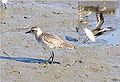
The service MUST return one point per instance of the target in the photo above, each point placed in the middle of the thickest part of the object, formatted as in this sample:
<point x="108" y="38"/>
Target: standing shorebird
<point x="4" y="3"/>
<point x="49" y="41"/>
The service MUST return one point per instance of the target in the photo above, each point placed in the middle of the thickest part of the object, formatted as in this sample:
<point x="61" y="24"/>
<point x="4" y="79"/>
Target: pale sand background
<point x="98" y="63"/>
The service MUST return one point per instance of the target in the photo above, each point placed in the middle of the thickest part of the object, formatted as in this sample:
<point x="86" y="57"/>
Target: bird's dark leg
<point x="5" y="6"/>
<point x="76" y="29"/>
<point x="51" y="58"/>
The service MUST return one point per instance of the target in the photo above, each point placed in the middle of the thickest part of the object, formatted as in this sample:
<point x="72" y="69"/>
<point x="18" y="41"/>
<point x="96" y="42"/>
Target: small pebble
<point x="25" y="17"/>
<point x="56" y="12"/>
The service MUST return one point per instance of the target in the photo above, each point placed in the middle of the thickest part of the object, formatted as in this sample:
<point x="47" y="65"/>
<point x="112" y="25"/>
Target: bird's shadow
<point x="27" y="60"/>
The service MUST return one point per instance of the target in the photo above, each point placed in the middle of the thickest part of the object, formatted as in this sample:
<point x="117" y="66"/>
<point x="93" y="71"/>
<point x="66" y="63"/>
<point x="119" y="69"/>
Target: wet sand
<point x="89" y="63"/>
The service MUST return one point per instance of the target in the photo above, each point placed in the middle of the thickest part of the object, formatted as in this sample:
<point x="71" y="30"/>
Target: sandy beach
<point x="90" y="62"/>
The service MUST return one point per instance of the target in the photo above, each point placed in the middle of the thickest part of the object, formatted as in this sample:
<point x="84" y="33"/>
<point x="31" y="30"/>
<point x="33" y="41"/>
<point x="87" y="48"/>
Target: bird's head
<point x="35" y="30"/>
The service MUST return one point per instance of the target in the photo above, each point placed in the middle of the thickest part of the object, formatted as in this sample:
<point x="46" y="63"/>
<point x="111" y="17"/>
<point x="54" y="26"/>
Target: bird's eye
<point x="32" y="30"/>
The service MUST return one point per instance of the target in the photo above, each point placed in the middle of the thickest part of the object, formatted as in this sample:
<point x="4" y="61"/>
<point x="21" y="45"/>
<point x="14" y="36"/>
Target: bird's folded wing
<point x="51" y="39"/>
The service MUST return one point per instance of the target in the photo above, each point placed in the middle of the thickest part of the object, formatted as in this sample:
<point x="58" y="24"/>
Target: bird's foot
<point x="46" y="63"/>
<point x="50" y="62"/>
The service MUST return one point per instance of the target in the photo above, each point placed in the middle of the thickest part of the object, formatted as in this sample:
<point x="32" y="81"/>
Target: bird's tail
<point x="69" y="46"/>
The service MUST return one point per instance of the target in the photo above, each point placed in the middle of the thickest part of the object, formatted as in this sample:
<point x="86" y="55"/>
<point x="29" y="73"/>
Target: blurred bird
<point x="49" y="41"/>
<point x="98" y="30"/>
<point x="100" y="20"/>
<point x="4" y="3"/>
<point x="89" y="34"/>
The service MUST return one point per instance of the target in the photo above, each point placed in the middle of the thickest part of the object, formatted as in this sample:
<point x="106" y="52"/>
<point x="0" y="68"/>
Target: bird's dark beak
<point x="77" y="29"/>
<point x="28" y="32"/>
